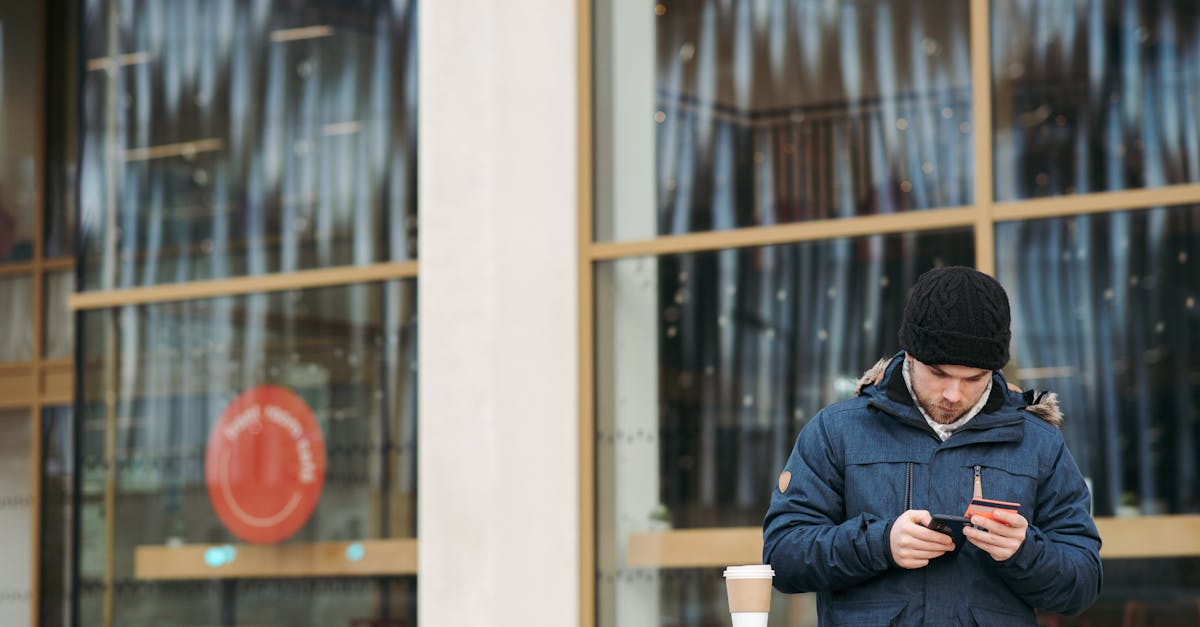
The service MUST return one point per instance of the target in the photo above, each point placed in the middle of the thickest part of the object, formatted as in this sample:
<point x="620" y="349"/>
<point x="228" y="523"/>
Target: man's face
<point x="947" y="392"/>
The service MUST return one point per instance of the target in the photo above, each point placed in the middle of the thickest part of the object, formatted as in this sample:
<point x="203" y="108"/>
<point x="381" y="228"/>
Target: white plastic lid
<point x="751" y="571"/>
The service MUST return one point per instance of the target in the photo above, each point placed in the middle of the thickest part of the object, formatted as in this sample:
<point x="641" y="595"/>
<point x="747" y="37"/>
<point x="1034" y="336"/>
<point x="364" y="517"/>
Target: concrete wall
<point x="499" y="498"/>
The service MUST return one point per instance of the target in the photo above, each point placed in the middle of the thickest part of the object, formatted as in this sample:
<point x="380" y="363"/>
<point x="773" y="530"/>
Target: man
<point x="930" y="429"/>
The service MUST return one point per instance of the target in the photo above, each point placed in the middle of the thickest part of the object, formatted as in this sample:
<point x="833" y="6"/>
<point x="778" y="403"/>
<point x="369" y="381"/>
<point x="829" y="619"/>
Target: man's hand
<point x="1003" y="536"/>
<point x="913" y="544"/>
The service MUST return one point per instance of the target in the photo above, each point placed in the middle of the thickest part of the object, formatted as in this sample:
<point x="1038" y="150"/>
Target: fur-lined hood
<point x="1040" y="403"/>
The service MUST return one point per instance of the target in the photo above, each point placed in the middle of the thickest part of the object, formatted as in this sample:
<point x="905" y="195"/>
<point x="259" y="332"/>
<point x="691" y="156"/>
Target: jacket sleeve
<point x="806" y="538"/>
<point x="1058" y="566"/>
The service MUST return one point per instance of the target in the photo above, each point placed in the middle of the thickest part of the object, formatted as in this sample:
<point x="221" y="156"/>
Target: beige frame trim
<point x="981" y="106"/>
<point x="301" y="279"/>
<point x="393" y="556"/>
<point x="931" y="220"/>
<point x="1124" y="538"/>
<point x="587" y="463"/>
<point x="18" y="268"/>
<point x="1097" y="203"/>
<point x="56" y="382"/>
<point x="58" y="263"/>
<point x="909" y="222"/>
<point x="17" y="385"/>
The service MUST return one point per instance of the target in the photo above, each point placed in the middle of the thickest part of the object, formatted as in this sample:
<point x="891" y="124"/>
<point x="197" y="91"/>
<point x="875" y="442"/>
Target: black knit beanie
<point x="957" y="316"/>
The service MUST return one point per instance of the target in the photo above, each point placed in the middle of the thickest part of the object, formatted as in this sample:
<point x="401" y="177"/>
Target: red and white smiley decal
<point x="265" y="464"/>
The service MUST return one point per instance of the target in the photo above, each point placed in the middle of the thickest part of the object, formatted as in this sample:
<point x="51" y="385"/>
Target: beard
<point x="942" y="412"/>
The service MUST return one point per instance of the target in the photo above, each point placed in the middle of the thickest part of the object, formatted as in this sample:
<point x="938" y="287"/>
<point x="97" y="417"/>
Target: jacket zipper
<point x="978" y="493"/>
<point x="908" y="486"/>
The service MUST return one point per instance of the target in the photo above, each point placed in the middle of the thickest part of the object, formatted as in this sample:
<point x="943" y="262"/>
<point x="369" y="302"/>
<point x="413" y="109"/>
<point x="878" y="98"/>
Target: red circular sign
<point x="265" y="464"/>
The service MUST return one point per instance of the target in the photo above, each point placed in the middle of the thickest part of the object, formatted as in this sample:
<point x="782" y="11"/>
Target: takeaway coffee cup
<point x="749" y="590"/>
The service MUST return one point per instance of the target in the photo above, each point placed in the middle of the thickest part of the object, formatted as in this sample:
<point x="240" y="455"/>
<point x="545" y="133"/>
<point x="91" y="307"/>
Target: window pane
<point x="58" y="467"/>
<point x="1148" y="592"/>
<point x="225" y="139"/>
<point x="760" y="113"/>
<point x="349" y="355"/>
<point x="62" y="127"/>
<point x="20" y="127"/>
<point x="60" y="324"/>
<point x="16" y="318"/>
<point x="16" y="516"/>
<point x="1106" y="312"/>
<point x="1094" y="96"/>
<point x="708" y="365"/>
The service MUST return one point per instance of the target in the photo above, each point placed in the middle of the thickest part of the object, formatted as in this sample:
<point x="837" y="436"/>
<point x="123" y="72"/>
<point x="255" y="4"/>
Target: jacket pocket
<point x="1002" y="481"/>
<point x="865" y="614"/>
<point x="879" y="482"/>
<point x="995" y="618"/>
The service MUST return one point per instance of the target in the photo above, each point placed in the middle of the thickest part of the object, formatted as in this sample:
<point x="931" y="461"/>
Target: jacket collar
<point x="999" y="421"/>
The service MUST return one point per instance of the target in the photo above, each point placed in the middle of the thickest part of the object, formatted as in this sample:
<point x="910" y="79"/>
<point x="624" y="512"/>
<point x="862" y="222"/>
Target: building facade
<point x="393" y="313"/>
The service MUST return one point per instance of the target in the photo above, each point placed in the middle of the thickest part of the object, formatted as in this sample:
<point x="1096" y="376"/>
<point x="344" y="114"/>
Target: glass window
<point x="16" y="318"/>
<point x="59" y="323"/>
<point x="16" y="516"/>
<point x="1162" y="591"/>
<point x="170" y="371"/>
<point x="62" y="127"/>
<point x="228" y="139"/>
<point x="761" y="113"/>
<point x="708" y="365"/>
<point x="58" y="468"/>
<point x="20" y="127"/>
<point x="1106" y="312"/>
<point x="1094" y="96"/>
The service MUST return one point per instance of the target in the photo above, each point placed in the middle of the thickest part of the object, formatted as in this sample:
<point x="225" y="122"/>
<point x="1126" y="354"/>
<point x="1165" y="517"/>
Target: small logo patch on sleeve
<point x="785" y="479"/>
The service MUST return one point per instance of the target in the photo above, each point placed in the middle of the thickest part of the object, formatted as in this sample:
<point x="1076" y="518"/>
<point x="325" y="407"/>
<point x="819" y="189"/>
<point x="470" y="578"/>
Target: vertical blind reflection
<point x="709" y="364"/>
<point x="1106" y="312"/>
<point x="171" y="369"/>
<point x="774" y="112"/>
<point x="1095" y="95"/>
<point x="229" y="138"/>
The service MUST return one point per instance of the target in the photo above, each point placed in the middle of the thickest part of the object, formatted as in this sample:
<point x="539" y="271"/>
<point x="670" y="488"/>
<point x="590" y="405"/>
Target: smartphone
<point x="951" y="526"/>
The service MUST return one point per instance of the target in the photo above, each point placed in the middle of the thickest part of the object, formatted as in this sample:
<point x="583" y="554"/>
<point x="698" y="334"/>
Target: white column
<point x="498" y="509"/>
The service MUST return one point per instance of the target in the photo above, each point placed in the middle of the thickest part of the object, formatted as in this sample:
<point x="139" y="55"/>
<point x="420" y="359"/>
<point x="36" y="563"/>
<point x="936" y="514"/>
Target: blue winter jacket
<point x="859" y="463"/>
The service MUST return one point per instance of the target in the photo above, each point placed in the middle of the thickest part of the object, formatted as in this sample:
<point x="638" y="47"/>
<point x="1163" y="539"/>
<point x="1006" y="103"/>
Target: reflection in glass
<point x="708" y="365"/>
<point x="62" y="127"/>
<point x="1099" y="96"/>
<point x="225" y="139"/>
<point x="1106" y="312"/>
<point x="20" y="127"/>
<point x="333" y="601"/>
<point x="58" y="467"/>
<point x="16" y="515"/>
<point x="59" y="323"/>
<point x="16" y="318"/>
<point x="1160" y="591"/>
<point x="772" y="112"/>
<point x="171" y="369"/>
